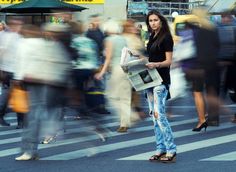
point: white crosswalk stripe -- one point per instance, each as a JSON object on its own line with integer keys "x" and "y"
{"x": 80, "y": 139}
{"x": 9, "y": 138}
{"x": 125, "y": 144}
{"x": 223, "y": 157}
{"x": 191, "y": 146}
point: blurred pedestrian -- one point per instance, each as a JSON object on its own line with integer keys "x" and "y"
{"x": 84, "y": 68}
{"x": 134, "y": 43}
{"x": 46, "y": 87}
{"x": 118, "y": 87}
{"x": 61, "y": 34}
{"x": 86, "y": 63}
{"x": 10, "y": 39}
{"x": 3, "y": 94}
{"x": 95, "y": 33}
{"x": 2, "y": 26}
{"x": 160, "y": 48}
{"x": 227, "y": 35}
{"x": 142, "y": 33}
{"x": 203, "y": 71}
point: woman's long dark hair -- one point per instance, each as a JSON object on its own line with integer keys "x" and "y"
{"x": 164, "y": 27}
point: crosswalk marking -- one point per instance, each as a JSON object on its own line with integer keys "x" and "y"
{"x": 69, "y": 131}
{"x": 74, "y": 122}
{"x": 84, "y": 129}
{"x": 191, "y": 146}
{"x": 13, "y": 151}
{"x": 126, "y": 144}
{"x": 223, "y": 157}
{"x": 75, "y": 129}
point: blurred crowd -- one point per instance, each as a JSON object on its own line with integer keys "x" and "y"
{"x": 207, "y": 57}
{"x": 68, "y": 64}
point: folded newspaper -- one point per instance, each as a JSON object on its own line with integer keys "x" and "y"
{"x": 139, "y": 75}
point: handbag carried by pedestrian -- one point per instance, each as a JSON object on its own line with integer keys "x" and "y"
{"x": 18, "y": 100}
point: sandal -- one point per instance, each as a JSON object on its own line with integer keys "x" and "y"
{"x": 155, "y": 157}
{"x": 168, "y": 159}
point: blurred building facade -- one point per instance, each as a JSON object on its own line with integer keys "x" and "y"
{"x": 137, "y": 9}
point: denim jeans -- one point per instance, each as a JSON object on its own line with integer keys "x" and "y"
{"x": 164, "y": 137}
{"x": 45, "y": 113}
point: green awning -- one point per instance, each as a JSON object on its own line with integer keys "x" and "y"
{"x": 41, "y": 6}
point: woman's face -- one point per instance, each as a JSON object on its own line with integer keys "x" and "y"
{"x": 154, "y": 22}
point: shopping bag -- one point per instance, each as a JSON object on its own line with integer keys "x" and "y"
{"x": 18, "y": 100}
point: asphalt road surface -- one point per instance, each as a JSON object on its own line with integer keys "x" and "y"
{"x": 80, "y": 149}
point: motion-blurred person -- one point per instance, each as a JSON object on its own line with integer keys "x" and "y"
{"x": 3, "y": 79}
{"x": 160, "y": 48}
{"x": 46, "y": 87}
{"x": 61, "y": 33}
{"x": 203, "y": 72}
{"x": 142, "y": 33}
{"x": 118, "y": 87}
{"x": 84, "y": 68}
{"x": 135, "y": 44}
{"x": 86, "y": 63}
{"x": 2, "y": 27}
{"x": 95, "y": 33}
{"x": 227, "y": 34}
{"x": 9, "y": 41}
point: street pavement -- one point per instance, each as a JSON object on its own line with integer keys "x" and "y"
{"x": 80, "y": 149}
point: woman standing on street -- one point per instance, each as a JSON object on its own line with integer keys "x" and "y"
{"x": 160, "y": 48}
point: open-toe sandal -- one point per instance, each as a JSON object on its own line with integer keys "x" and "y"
{"x": 168, "y": 159}
{"x": 155, "y": 157}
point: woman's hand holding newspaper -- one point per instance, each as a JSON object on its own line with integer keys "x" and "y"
{"x": 152, "y": 65}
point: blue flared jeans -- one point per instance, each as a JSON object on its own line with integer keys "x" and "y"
{"x": 164, "y": 137}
